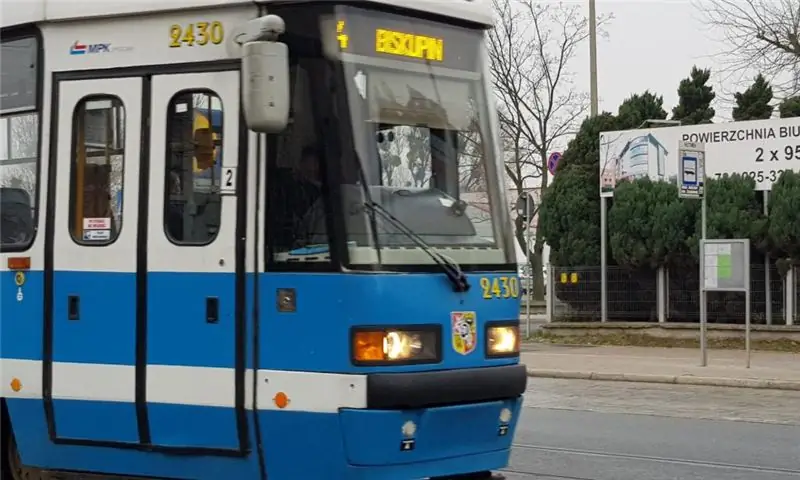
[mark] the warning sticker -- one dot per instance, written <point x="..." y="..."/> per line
<point x="97" y="235"/>
<point x="97" y="224"/>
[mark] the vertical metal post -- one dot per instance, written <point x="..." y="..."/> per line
<point x="701" y="261"/>
<point x="593" y="57"/>
<point x="549" y="294"/>
<point x="789" y="295"/>
<point x="661" y="291"/>
<point x="747" y="319"/>
<point x="666" y="293"/>
<point x="603" y="261"/>
<point x="528" y="266"/>
<point x="594" y="109"/>
<point x="767" y="274"/>
<point x="747" y="322"/>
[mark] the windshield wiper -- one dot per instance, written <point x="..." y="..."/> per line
<point x="450" y="267"/>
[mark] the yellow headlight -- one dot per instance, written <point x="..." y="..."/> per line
<point x="502" y="340"/>
<point x="388" y="346"/>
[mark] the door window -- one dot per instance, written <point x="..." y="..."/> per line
<point x="98" y="158"/>
<point x="19" y="141"/>
<point x="193" y="168"/>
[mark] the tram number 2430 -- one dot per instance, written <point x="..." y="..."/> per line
<point x="499" y="287"/>
<point x="198" y="33"/>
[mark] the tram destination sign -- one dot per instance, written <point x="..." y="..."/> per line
<point x="386" y="35"/>
<point x="760" y="149"/>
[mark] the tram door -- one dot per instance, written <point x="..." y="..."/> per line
<point x="195" y="264"/>
<point x="91" y="235"/>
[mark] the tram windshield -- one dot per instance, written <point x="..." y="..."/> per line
<point x="421" y="143"/>
<point x="401" y="125"/>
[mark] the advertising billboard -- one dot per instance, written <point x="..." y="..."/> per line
<point x="761" y="149"/>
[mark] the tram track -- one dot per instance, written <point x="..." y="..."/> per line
<point x="643" y="458"/>
<point x="787" y="472"/>
<point x="549" y="476"/>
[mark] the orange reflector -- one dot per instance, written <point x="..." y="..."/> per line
<point x="16" y="385"/>
<point x="368" y="346"/>
<point x="281" y="400"/>
<point x="19" y="263"/>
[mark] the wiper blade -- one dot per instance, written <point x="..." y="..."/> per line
<point x="450" y="267"/>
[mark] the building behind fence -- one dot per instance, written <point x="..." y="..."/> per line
<point x="633" y="296"/>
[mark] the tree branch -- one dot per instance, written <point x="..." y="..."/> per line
<point x="762" y="35"/>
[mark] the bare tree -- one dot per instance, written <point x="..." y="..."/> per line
<point x="19" y="152"/>
<point x="471" y="154"/>
<point x="531" y="48"/>
<point x="760" y="35"/>
<point x="405" y="153"/>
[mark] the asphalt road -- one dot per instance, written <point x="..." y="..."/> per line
<point x="583" y="430"/>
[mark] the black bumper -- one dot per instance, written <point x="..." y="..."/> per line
<point x="397" y="391"/>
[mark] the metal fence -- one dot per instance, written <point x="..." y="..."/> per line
<point x="633" y="296"/>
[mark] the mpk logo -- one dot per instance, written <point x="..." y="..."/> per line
<point x="79" y="48"/>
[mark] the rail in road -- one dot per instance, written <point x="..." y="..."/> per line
<point x="722" y="467"/>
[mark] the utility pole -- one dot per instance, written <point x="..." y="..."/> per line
<point x="593" y="57"/>
<point x="595" y="108"/>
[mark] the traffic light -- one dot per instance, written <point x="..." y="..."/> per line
<point x="525" y="207"/>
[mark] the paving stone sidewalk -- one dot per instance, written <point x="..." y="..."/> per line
<point x="771" y="370"/>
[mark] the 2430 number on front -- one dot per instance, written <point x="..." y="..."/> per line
<point x="499" y="287"/>
<point x="198" y="33"/>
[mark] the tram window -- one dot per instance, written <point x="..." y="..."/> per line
<point x="294" y="175"/>
<point x="192" y="201"/>
<point x="97" y="170"/>
<point x="19" y="141"/>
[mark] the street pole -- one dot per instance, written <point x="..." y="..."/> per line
<point x="594" y="109"/>
<point x="593" y="57"/>
<point x="767" y="273"/>
<point x="701" y="261"/>
<point x="528" y="265"/>
<point x="692" y="185"/>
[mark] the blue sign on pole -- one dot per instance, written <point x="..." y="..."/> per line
<point x="691" y="170"/>
<point x="552" y="162"/>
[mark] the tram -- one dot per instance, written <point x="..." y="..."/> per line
<point x="234" y="244"/>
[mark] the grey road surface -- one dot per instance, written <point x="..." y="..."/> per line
<point x="582" y="430"/>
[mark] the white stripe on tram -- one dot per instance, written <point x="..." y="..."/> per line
<point x="181" y="385"/>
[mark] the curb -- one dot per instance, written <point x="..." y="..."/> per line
<point x="770" y="384"/>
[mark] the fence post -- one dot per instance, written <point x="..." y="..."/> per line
<point x="789" y="303"/>
<point x="767" y="279"/>
<point x="661" y="291"/>
<point x="666" y="294"/>
<point x="549" y="294"/>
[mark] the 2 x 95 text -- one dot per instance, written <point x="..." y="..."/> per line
<point x="199" y="33"/>
<point x="789" y="152"/>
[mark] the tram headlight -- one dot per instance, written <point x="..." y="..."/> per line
<point x="502" y="340"/>
<point x="387" y="346"/>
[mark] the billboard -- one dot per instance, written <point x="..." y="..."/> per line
<point x="761" y="149"/>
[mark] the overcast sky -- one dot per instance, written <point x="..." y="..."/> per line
<point x="652" y="44"/>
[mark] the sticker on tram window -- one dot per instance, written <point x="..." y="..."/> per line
<point x="196" y="34"/>
<point x="499" y="287"/>
<point x="96" y="235"/>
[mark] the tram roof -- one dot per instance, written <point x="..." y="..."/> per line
<point x="22" y="12"/>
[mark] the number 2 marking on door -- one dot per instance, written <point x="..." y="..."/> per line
<point x="228" y="181"/>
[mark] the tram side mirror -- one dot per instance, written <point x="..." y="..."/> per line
<point x="265" y="86"/>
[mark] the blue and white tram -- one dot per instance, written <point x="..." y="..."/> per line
<point x="234" y="244"/>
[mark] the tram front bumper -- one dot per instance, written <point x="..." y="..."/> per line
<point x="425" y="417"/>
<point x="445" y="387"/>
